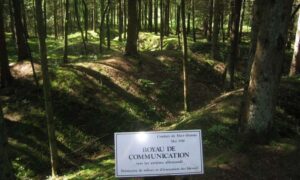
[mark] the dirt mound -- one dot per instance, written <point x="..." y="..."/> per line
<point x="24" y="69"/>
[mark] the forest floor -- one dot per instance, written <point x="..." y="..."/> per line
<point x="97" y="95"/>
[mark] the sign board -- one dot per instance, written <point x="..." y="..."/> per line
<point x="142" y="154"/>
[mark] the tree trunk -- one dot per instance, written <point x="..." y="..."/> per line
<point x="150" y="16"/>
<point x="161" y="25"/>
<point x="242" y="20"/>
<point x="185" y="60"/>
<point x="295" y="65"/>
<point x="210" y="19"/>
<point x="22" y="45"/>
<point x="178" y="20"/>
<point x="79" y="26"/>
<point x="234" y="45"/>
<point x="6" y="78"/>
<point x="55" y="19"/>
<point x="24" y="18"/>
<point x="67" y="18"/>
<point x="6" y="172"/>
<point x="108" y="24"/>
<point x="132" y="32"/>
<point x="257" y="120"/>
<point x="156" y="16"/>
<point x="120" y="19"/>
<point x="46" y="88"/>
<point x="193" y="20"/>
<point x="12" y="21"/>
<point x="167" y="18"/>
<point x="216" y="29"/>
<point x="45" y="16"/>
<point x="86" y="21"/>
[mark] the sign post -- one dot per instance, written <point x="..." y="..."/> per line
<point x="168" y="153"/>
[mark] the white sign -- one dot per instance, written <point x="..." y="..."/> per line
<point x="141" y="154"/>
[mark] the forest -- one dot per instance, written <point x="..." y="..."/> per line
<point x="74" y="72"/>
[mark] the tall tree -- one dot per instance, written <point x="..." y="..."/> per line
<point x="108" y="23"/>
<point x="234" y="42"/>
<point x="185" y="60"/>
<point x="162" y="25"/>
<point x="150" y="16"/>
<point x="120" y="19"/>
<point x="216" y="29"/>
<point x="156" y="16"/>
<point x="66" y="32"/>
<point x="22" y="45"/>
<point x="167" y="17"/>
<point x="46" y="87"/>
<point x="6" y="172"/>
<point x="79" y="26"/>
<point x="210" y="19"/>
<point x="295" y="65"/>
<point x="132" y="30"/>
<point x="193" y="20"/>
<point x="6" y="77"/>
<point x="55" y="8"/>
<point x="257" y="120"/>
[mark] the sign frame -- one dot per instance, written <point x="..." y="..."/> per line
<point x="198" y="172"/>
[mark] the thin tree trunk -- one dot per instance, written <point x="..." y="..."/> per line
<point x="47" y="88"/>
<point x="161" y="25"/>
<point x="79" y="26"/>
<point x="156" y="16"/>
<point x="234" y="42"/>
<point x="24" y="18"/>
<point x="121" y="19"/>
<point x="167" y="18"/>
<point x="103" y="11"/>
<point x="67" y="18"/>
<point x="295" y="64"/>
<point x="210" y="19"/>
<point x="6" y="77"/>
<point x="55" y="19"/>
<point x="108" y="24"/>
<point x="125" y="18"/>
<point x="216" y="29"/>
<point x="242" y="20"/>
<point x="86" y="20"/>
<point x="150" y="16"/>
<point x="12" y="21"/>
<point x="193" y="20"/>
<point x="185" y="60"/>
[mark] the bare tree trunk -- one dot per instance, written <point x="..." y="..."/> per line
<point x="193" y="20"/>
<point x="55" y="19"/>
<point x="67" y="18"/>
<point x="242" y="20"/>
<point x="161" y="25"/>
<point x="22" y="45"/>
<point x="234" y="42"/>
<point x="79" y="26"/>
<point x="185" y="60"/>
<point x="261" y="96"/>
<point x="131" y="45"/>
<point x="210" y="19"/>
<point x="121" y="19"/>
<point x="295" y="65"/>
<point x="86" y="20"/>
<point x="6" y="78"/>
<point x="156" y="16"/>
<point x="47" y="88"/>
<point x="167" y="18"/>
<point x="216" y="29"/>
<point x="150" y="16"/>
<point x="108" y="24"/>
